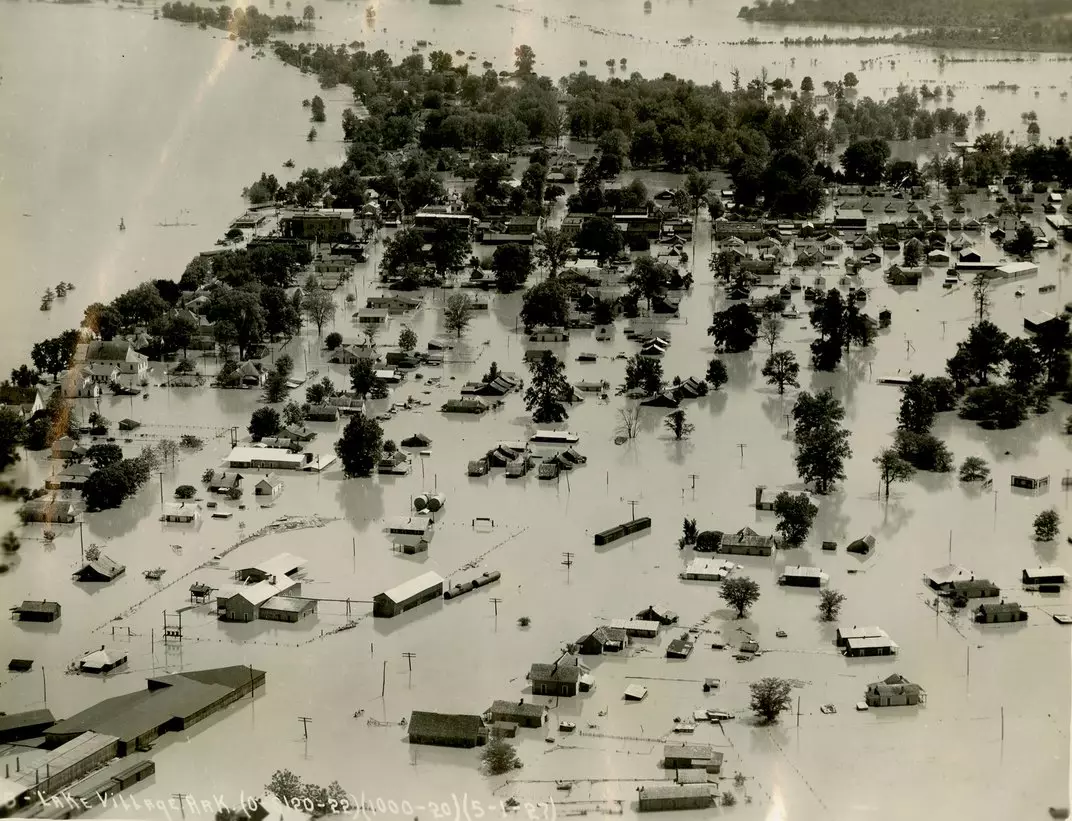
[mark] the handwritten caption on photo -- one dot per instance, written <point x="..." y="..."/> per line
<point x="454" y="807"/>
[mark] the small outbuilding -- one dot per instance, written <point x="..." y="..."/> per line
<point x="657" y="612"/>
<point x="37" y="611"/>
<point x="862" y="546"/>
<point x="269" y="486"/>
<point x="180" y="512"/>
<point x="679" y="649"/>
<point x="516" y="712"/>
<point x="635" y="692"/>
<point x="797" y="576"/>
<point x="1030" y="482"/>
<point x="974" y="589"/>
<point x="870" y="646"/>
<point x="894" y="691"/>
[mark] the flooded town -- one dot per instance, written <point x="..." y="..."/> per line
<point x="315" y="314"/>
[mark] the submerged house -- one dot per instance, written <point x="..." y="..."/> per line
<point x="746" y="542"/>
<point x="657" y="612"/>
<point x="101" y="569"/>
<point x="974" y="589"/>
<point x="1000" y="613"/>
<point x="516" y="712"/>
<point x="468" y="405"/>
<point x="102" y="661"/>
<point x="446" y="729"/>
<point x="603" y="640"/>
<point x="29" y="610"/>
<point x="424" y="588"/>
<point x="562" y="678"/>
<point x="659" y="797"/>
<point x="894" y="691"/>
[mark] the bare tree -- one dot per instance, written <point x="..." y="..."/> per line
<point x="168" y="449"/>
<point x="628" y="422"/>
<point x="981" y="295"/>
<point x="770" y="329"/>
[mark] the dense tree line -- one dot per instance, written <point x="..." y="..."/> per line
<point x="245" y="23"/>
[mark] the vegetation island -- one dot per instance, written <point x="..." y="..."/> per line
<point x="1027" y="25"/>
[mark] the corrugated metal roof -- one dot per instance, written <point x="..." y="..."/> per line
<point x="408" y="590"/>
<point x="75" y="750"/>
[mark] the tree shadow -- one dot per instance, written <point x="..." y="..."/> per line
<point x="894" y="517"/>
<point x="831" y="522"/>
<point x="1045" y="552"/>
<point x="361" y="501"/>
<point x="741" y="369"/>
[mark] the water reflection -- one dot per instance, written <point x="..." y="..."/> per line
<point x="361" y="501"/>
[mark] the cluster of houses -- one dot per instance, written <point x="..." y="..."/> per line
<point x="550" y="452"/>
<point x="269" y="590"/>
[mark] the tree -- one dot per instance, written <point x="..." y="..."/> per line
<point x="923" y="451"/>
<point x="822" y="444"/>
<point x="317" y="109"/>
<point x="24" y="377"/>
<point x="104" y="455"/>
<point x="912" y="255"/>
<point x="892" y="468"/>
<point x="407" y="339"/>
<point x="770" y="329"/>
<point x="735" y="329"/>
<point x="995" y="406"/>
<point x="981" y="287"/>
<point x="545" y="303"/>
<point x="103" y="320"/>
<point x="979" y="356"/>
<point x="360" y="446"/>
<point x="524" y="59"/>
<point x="974" y="469"/>
<point x="864" y="161"/>
<point x="601" y="238"/>
<point x="918" y="406"/>
<point x="293" y="414"/>
<point x="363" y="377"/>
<point x="1047" y="525"/>
<point x="546" y="389"/>
<point x="140" y="305"/>
<point x="275" y="388"/>
<point x="648" y="278"/>
<point x="781" y="369"/>
<point x="403" y="254"/>
<point x="98" y="423"/>
<point x="552" y="250"/>
<point x="807" y="85"/>
<point x="499" y="757"/>
<point x="286" y="787"/>
<point x="628" y="422"/>
<point x="795" y="514"/>
<point x="676" y="424"/>
<point x="740" y="592"/>
<point x="850" y="80"/>
<point x="284" y="365"/>
<point x="333" y="340"/>
<point x="185" y="492"/>
<point x="830" y="602"/>
<point x="319" y="307"/>
<point x="1023" y="368"/>
<point x="56" y="354"/>
<point x="450" y="249"/>
<point x="716" y="374"/>
<point x="12" y="431"/>
<point x="240" y="310"/>
<point x="512" y="264"/>
<point x="770" y="698"/>
<point x="458" y="313"/>
<point x="264" y="422"/>
<point x="643" y="373"/>
<point x="1023" y="242"/>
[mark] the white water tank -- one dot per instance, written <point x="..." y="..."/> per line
<point x="420" y="502"/>
<point x="435" y="502"/>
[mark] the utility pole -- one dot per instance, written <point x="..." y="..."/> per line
<point x="160" y="473"/>
<point x="305" y="725"/>
<point x="798" y="712"/>
<point x="788" y="416"/>
<point x="495" y="603"/>
<point x="409" y="658"/>
<point x="180" y="797"/>
<point x="1003" y="722"/>
<point x="694" y="477"/>
<point x="632" y="508"/>
<point x="44" y="685"/>
<point x="742" y="446"/>
<point x="383" y="686"/>
<point x="567" y="560"/>
<point x="81" y="541"/>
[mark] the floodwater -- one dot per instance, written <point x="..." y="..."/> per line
<point x="992" y="741"/>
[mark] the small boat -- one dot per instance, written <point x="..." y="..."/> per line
<point x="563" y="785"/>
<point x="122" y="225"/>
<point x="154" y="574"/>
<point x="567" y="726"/>
<point x="222" y="514"/>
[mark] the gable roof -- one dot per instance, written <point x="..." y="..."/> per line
<point x="445" y="726"/>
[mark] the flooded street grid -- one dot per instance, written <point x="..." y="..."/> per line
<point x="993" y="739"/>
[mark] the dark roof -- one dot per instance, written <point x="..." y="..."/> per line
<point x="445" y="726"/>
<point x="37" y="607"/>
<point x="1002" y="607"/>
<point x="29" y="718"/>
<point x="564" y="671"/>
<point x="175" y="696"/>
<point x="20" y="665"/>
<point x="103" y="566"/>
<point x="417" y="440"/>
<point x="514" y="708"/>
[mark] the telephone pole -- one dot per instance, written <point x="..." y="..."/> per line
<point x="383" y="686"/>
<point x="44" y="686"/>
<point x="567" y="560"/>
<point x="741" y="446"/>
<point x="409" y="658"/>
<point x="160" y="473"/>
<point x="495" y="603"/>
<point x="305" y="725"/>
<point x="632" y="508"/>
<point x="694" y="477"/>
<point x="181" y="798"/>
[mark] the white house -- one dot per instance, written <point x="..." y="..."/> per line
<point x="120" y="354"/>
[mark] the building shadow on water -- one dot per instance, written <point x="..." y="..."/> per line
<point x="428" y="610"/>
<point x="113" y="524"/>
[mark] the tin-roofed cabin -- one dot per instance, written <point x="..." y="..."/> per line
<point x="447" y="730"/>
<point x="999" y="613"/>
<point x="37" y="611"/>
<point x="1044" y="575"/>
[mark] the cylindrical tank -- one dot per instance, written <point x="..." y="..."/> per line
<point x="420" y="502"/>
<point x="435" y="502"/>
